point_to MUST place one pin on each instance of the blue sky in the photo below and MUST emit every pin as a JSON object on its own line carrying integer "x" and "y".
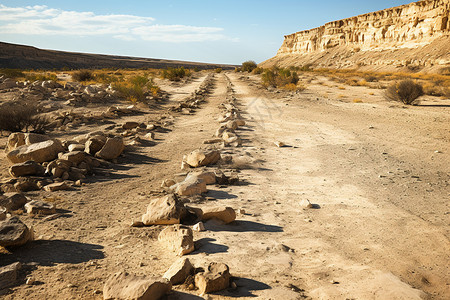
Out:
{"x": 197, "y": 30}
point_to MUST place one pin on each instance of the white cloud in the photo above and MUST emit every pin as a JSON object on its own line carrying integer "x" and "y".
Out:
{"x": 42, "y": 20}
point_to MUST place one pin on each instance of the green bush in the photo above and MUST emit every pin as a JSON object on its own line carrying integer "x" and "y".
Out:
{"x": 406, "y": 91}
{"x": 175, "y": 74}
{"x": 24, "y": 115}
{"x": 82, "y": 75}
{"x": 249, "y": 66}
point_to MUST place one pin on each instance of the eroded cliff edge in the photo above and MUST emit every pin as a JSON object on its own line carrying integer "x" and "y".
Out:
{"x": 414, "y": 36}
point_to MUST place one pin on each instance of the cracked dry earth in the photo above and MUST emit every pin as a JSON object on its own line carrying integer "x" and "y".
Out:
{"x": 376, "y": 173}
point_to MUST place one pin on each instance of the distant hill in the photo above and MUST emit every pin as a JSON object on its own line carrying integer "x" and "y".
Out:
{"x": 27, "y": 57}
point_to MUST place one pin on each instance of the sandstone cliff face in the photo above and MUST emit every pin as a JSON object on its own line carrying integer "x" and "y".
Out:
{"x": 408, "y": 26}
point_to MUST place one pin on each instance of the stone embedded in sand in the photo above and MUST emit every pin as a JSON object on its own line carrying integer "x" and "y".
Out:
{"x": 198, "y": 158}
{"x": 130, "y": 125}
{"x": 26, "y": 169}
{"x": 37, "y": 207}
{"x": 232, "y": 124}
{"x": 8, "y": 275}
{"x": 165, "y": 210}
{"x": 124, "y": 286}
{"x": 178, "y": 238}
{"x": 179, "y": 271}
{"x": 93, "y": 145}
{"x": 240, "y": 122}
{"x": 13, "y": 232}
{"x": 225, "y": 214}
{"x": 112, "y": 148}
{"x": 57, "y": 186}
{"x": 38, "y": 152}
{"x": 75, "y": 147}
{"x": 18, "y": 139}
{"x": 279, "y": 144}
{"x": 215, "y": 279}
{"x": 167, "y": 183}
{"x": 189, "y": 187}
{"x": 12, "y": 201}
{"x": 212, "y": 141}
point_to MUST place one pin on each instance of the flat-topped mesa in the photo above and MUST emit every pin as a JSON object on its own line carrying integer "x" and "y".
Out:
{"x": 406, "y": 26}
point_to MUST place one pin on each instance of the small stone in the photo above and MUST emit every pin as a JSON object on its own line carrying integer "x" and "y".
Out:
{"x": 167, "y": 183}
{"x": 40, "y": 207}
{"x": 225, "y": 214}
{"x": 241, "y": 211}
{"x": 30, "y": 281}
{"x": 137, "y": 224}
{"x": 57, "y": 186}
{"x": 179, "y": 271}
{"x": 26, "y": 169}
{"x": 198, "y": 158}
{"x": 12, "y": 201}
{"x": 130, "y": 125}
{"x": 216, "y": 278}
{"x": 8, "y": 275}
{"x": 279, "y": 144}
{"x": 112, "y": 148}
{"x": 199, "y": 227}
{"x": 164, "y": 210}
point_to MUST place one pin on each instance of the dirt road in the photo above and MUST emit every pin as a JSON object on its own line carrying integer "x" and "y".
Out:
{"x": 376, "y": 173}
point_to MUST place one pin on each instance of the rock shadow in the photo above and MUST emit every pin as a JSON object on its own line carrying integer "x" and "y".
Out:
{"x": 242, "y": 226}
{"x": 205, "y": 245}
{"x": 220, "y": 194}
{"x": 177, "y": 295}
{"x": 245, "y": 286}
{"x": 51, "y": 252}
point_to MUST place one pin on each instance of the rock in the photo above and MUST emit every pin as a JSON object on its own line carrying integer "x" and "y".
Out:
{"x": 8, "y": 275}
{"x": 38, "y": 152}
{"x": 18, "y": 139}
{"x": 279, "y": 144}
{"x": 26, "y": 168}
{"x": 57, "y": 186}
{"x": 199, "y": 227}
{"x": 130, "y": 125}
{"x": 112, "y": 148}
{"x": 168, "y": 183}
{"x": 189, "y": 187}
{"x": 8, "y": 83}
{"x": 93, "y": 145}
{"x": 12, "y": 201}
{"x": 2, "y": 213}
{"x": 198, "y": 158}
{"x": 215, "y": 279}
{"x": 124, "y": 286}
{"x": 179, "y": 271}
{"x": 26, "y": 185}
{"x": 240, "y": 122}
{"x": 231, "y": 125}
{"x": 75, "y": 157}
{"x": 13, "y": 232}
{"x": 150, "y": 136}
{"x": 76, "y": 147}
{"x": 165, "y": 210}
{"x": 225, "y": 214}
{"x": 207, "y": 176}
{"x": 212, "y": 141}
{"x": 36, "y": 207}
{"x": 177, "y": 238}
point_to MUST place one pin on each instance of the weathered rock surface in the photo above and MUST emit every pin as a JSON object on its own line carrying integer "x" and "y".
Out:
{"x": 225, "y": 214}
{"x": 18, "y": 139}
{"x": 177, "y": 238}
{"x": 13, "y": 232}
{"x": 189, "y": 187}
{"x": 112, "y": 148}
{"x": 12, "y": 201}
{"x": 179, "y": 271}
{"x": 198, "y": 158}
{"x": 164, "y": 210}
{"x": 124, "y": 286}
{"x": 215, "y": 279}
{"x": 26, "y": 169}
{"x": 8, "y": 275}
{"x": 93, "y": 145}
{"x": 2, "y": 213}
{"x": 57, "y": 186}
{"x": 38, "y": 152}
{"x": 207, "y": 176}
{"x": 40, "y": 207}
{"x": 75, "y": 157}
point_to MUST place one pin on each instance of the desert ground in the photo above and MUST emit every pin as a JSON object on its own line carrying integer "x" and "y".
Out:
{"x": 354, "y": 204}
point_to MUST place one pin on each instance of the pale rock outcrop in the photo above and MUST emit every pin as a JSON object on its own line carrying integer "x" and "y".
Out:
{"x": 38, "y": 152}
{"x": 18, "y": 139}
{"x": 165, "y": 210}
{"x": 26, "y": 169}
{"x": 225, "y": 214}
{"x": 216, "y": 278}
{"x": 177, "y": 238}
{"x": 124, "y": 286}
{"x": 38, "y": 207}
{"x": 112, "y": 148}
{"x": 179, "y": 271}
{"x": 198, "y": 158}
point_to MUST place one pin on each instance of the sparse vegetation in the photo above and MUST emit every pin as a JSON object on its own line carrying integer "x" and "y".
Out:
{"x": 218, "y": 70}
{"x": 282, "y": 78}
{"x": 12, "y": 73}
{"x": 175, "y": 74}
{"x": 83, "y": 75}
{"x": 24, "y": 115}
{"x": 44, "y": 76}
{"x": 406, "y": 91}
{"x": 248, "y": 66}
{"x": 137, "y": 88}
{"x": 258, "y": 70}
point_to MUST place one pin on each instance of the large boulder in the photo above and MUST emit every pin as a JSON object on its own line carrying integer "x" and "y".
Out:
{"x": 165, "y": 210}
{"x": 207, "y": 176}
{"x": 26, "y": 169}
{"x": 18, "y": 139}
{"x": 38, "y": 152}
{"x": 225, "y": 214}
{"x": 12, "y": 201}
{"x": 189, "y": 187}
{"x": 215, "y": 279}
{"x": 198, "y": 158}
{"x": 93, "y": 145}
{"x": 178, "y": 238}
{"x": 13, "y": 232}
{"x": 179, "y": 271}
{"x": 125, "y": 286}
{"x": 112, "y": 148}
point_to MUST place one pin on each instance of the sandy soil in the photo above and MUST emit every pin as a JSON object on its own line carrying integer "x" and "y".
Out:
{"x": 376, "y": 172}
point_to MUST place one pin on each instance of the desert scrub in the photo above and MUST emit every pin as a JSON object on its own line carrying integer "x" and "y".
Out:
{"x": 22, "y": 115}
{"x": 218, "y": 70}
{"x": 279, "y": 77}
{"x": 12, "y": 73}
{"x": 294, "y": 87}
{"x": 258, "y": 71}
{"x": 175, "y": 74}
{"x": 248, "y": 66}
{"x": 406, "y": 91}
{"x": 83, "y": 75}
{"x": 136, "y": 88}
{"x": 41, "y": 76}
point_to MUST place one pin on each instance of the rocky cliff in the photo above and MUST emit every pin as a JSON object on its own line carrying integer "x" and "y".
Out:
{"x": 399, "y": 29}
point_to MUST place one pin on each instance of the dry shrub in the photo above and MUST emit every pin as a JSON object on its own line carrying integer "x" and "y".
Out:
{"x": 294, "y": 87}
{"x": 258, "y": 71}
{"x": 12, "y": 73}
{"x": 279, "y": 77}
{"x": 41, "y": 76}
{"x": 82, "y": 75}
{"x": 218, "y": 70}
{"x": 357, "y": 101}
{"x": 406, "y": 91}
{"x": 248, "y": 66}
{"x": 175, "y": 74}
{"x": 22, "y": 115}
{"x": 136, "y": 88}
